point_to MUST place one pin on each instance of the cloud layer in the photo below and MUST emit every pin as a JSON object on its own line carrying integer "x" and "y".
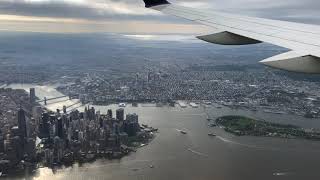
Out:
{"x": 118, "y": 11}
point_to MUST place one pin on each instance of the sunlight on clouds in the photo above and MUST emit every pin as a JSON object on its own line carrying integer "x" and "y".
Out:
{"x": 201, "y": 5}
{"x": 103, "y": 7}
{"x": 122, "y": 8}
{"x": 161, "y": 37}
{"x": 68, "y": 25}
{"x": 48, "y": 1}
{"x": 80, "y": 24}
{"x": 40, "y": 19}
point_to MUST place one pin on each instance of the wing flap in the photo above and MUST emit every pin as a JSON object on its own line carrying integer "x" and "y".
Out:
{"x": 227, "y": 38}
{"x": 294, "y": 61}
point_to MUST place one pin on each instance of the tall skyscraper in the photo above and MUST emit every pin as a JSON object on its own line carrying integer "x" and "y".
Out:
{"x": 32, "y": 95}
{"x": 1, "y": 142}
{"x": 59, "y": 128}
{"x": 109, "y": 113}
{"x": 132, "y": 124}
{"x": 64, "y": 109}
{"x": 22, "y": 124}
{"x": 120, "y": 114}
{"x": 36, "y": 114}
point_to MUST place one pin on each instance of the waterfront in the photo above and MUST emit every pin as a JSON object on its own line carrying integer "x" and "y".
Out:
{"x": 195, "y": 155}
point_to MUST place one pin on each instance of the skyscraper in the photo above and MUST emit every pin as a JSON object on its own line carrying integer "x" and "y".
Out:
{"x": 109, "y": 113}
{"x": 64, "y": 109}
{"x": 22, "y": 124}
{"x": 32, "y": 95}
{"x": 120, "y": 114}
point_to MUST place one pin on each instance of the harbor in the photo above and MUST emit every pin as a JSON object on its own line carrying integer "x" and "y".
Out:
{"x": 172, "y": 149}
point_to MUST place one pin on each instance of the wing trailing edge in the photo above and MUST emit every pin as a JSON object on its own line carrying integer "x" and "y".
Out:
{"x": 227, "y": 38}
{"x": 295, "y": 62}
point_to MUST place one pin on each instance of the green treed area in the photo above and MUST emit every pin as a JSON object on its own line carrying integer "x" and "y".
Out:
{"x": 240, "y": 125}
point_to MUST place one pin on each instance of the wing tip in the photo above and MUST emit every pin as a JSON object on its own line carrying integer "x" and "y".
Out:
{"x": 151, "y": 3}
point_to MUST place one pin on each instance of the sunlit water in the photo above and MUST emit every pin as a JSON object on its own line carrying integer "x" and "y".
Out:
{"x": 196, "y": 155}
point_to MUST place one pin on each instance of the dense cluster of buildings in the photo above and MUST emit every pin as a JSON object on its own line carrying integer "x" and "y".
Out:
{"x": 38, "y": 136}
{"x": 83, "y": 136}
{"x": 256, "y": 90}
{"x": 17, "y": 136}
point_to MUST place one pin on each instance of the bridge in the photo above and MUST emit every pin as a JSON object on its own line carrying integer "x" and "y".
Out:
{"x": 71, "y": 107}
{"x": 76, "y": 104}
{"x": 45, "y": 99}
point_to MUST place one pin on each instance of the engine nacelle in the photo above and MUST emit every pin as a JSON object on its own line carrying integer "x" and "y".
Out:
{"x": 295, "y": 62}
{"x": 227, "y": 38}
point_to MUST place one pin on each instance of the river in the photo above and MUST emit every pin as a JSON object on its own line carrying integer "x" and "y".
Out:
{"x": 195, "y": 155}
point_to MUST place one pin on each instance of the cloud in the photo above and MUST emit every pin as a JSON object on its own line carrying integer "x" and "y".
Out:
{"x": 124, "y": 11}
{"x": 86, "y": 9}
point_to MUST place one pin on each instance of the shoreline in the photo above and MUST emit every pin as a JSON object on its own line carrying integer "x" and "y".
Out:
{"x": 32, "y": 167}
{"x": 244, "y": 126}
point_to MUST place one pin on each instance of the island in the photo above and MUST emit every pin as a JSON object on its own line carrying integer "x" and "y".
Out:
{"x": 245, "y": 126}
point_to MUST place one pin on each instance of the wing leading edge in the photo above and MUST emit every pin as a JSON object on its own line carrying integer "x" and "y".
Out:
{"x": 228, "y": 29}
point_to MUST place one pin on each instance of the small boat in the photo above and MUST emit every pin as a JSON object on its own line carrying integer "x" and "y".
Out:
{"x": 212, "y": 125}
{"x": 151, "y": 166}
{"x": 142, "y": 145}
{"x": 183, "y": 132}
{"x": 212, "y": 134}
{"x": 122, "y": 105}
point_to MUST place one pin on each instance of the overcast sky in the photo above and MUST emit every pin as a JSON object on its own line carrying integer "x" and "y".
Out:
{"x": 130, "y": 16}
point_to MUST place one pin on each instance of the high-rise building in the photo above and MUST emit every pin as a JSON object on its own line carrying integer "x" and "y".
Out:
{"x": 64, "y": 109}
{"x": 149, "y": 77}
{"x": 36, "y": 114}
{"x": 32, "y": 95}
{"x": 132, "y": 124}
{"x": 22, "y": 124}
{"x": 59, "y": 128}
{"x": 120, "y": 114}
{"x": 1, "y": 142}
{"x": 132, "y": 118}
{"x": 44, "y": 126}
{"x": 109, "y": 113}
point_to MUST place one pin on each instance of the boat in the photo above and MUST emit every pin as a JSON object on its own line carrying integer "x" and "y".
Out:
{"x": 212, "y": 134}
{"x": 122, "y": 105}
{"x": 194, "y": 105}
{"x": 142, "y": 145}
{"x": 183, "y": 132}
{"x": 182, "y": 104}
{"x": 212, "y": 125}
{"x": 151, "y": 166}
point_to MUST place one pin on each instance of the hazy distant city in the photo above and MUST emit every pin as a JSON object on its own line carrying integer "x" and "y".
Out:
{"x": 152, "y": 71}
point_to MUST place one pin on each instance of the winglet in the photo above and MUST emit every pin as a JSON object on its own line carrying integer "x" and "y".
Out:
{"x": 151, "y": 3}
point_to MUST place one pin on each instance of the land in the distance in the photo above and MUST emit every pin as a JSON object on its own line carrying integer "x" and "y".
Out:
{"x": 244, "y": 126}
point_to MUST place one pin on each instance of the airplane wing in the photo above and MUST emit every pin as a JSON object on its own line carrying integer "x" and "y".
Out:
{"x": 302, "y": 39}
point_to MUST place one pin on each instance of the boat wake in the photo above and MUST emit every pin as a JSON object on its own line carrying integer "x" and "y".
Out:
{"x": 239, "y": 144}
{"x": 198, "y": 153}
{"x": 281, "y": 174}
